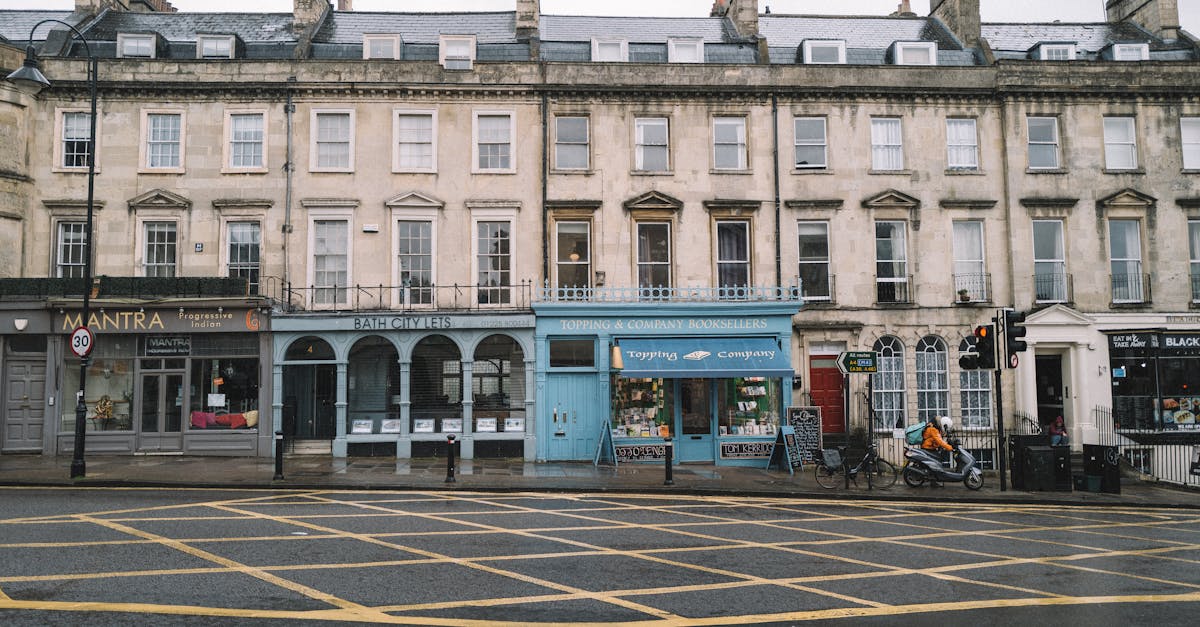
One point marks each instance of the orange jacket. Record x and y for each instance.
(933, 439)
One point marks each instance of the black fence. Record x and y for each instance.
(1169, 455)
(124, 287)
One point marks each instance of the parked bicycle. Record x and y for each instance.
(832, 467)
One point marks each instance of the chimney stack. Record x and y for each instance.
(307, 13)
(903, 10)
(1160, 17)
(528, 14)
(743, 14)
(961, 17)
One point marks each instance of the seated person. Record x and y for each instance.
(1058, 432)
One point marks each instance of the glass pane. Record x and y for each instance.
(573, 130)
(150, 402)
(810, 130)
(1043, 130)
(1047, 240)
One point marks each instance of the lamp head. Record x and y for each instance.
(28, 77)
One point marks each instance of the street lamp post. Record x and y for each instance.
(30, 78)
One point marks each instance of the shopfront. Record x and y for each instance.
(1155, 380)
(178, 380)
(399, 384)
(715, 377)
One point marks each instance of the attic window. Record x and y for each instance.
(831, 51)
(610, 50)
(214, 47)
(135, 46)
(1131, 52)
(685, 51)
(457, 52)
(915, 53)
(1056, 52)
(381, 47)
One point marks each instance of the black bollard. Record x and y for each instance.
(670, 480)
(278, 456)
(450, 458)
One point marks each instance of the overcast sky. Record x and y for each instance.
(993, 10)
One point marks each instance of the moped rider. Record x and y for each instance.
(932, 440)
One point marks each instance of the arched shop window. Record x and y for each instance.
(975, 396)
(887, 385)
(933, 381)
(373, 382)
(435, 385)
(498, 385)
(309, 349)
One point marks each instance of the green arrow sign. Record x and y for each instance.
(851, 362)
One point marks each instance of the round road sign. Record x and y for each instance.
(81, 341)
(1012, 360)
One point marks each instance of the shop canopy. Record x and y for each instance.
(704, 357)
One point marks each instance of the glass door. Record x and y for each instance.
(161, 404)
(695, 441)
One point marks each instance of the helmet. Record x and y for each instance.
(945, 423)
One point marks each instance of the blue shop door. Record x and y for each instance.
(574, 399)
(696, 416)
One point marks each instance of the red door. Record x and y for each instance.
(825, 383)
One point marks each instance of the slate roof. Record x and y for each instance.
(1087, 37)
(348, 27)
(15, 25)
(250, 27)
(787, 31)
(635, 29)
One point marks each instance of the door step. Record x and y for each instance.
(311, 447)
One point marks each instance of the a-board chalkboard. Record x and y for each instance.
(606, 453)
(807, 423)
(786, 452)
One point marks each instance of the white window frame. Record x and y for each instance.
(900, 260)
(900, 49)
(970, 274)
(1194, 258)
(837, 44)
(932, 366)
(124, 40)
(314, 141)
(1133, 292)
(677, 45)
(975, 399)
(227, 223)
(144, 145)
(143, 244)
(495, 215)
(889, 383)
(884, 150)
(745, 264)
(826, 263)
(430, 216)
(962, 149)
(432, 114)
(639, 263)
(1131, 52)
(598, 42)
(797, 143)
(639, 123)
(60, 115)
(444, 41)
(741, 143)
(1116, 148)
(587, 142)
(1189, 142)
(78, 249)
(1030, 143)
(512, 141)
(227, 145)
(1059, 263)
(561, 260)
(393, 39)
(1046, 50)
(329, 214)
(227, 39)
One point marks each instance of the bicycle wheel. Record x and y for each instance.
(828, 477)
(883, 474)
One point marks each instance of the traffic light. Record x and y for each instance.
(968, 354)
(985, 343)
(1013, 332)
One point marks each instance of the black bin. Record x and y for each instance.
(1039, 468)
(1016, 456)
(1104, 462)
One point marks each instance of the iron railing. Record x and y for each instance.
(821, 289)
(125, 287)
(398, 297)
(667, 294)
(1054, 287)
(894, 291)
(973, 288)
(1196, 288)
(1130, 288)
(1169, 455)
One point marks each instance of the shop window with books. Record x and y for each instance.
(644, 408)
(748, 406)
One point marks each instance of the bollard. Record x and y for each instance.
(450, 458)
(278, 456)
(670, 480)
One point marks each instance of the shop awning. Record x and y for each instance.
(704, 357)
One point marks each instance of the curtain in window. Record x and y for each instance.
(886, 153)
(733, 254)
(887, 384)
(933, 384)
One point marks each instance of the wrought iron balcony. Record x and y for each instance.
(893, 290)
(818, 288)
(141, 288)
(1196, 288)
(667, 294)
(453, 297)
(1128, 289)
(1054, 287)
(973, 288)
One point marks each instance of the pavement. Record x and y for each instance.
(309, 472)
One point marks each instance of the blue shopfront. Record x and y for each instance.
(714, 376)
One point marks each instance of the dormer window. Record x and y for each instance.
(685, 51)
(830, 51)
(914, 53)
(457, 52)
(610, 50)
(214, 47)
(135, 46)
(1131, 52)
(381, 47)
(1056, 52)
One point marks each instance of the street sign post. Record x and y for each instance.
(82, 340)
(856, 362)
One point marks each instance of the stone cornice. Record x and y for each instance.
(959, 203)
(815, 203)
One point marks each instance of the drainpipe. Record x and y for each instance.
(545, 194)
(775, 163)
(289, 110)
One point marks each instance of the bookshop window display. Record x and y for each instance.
(745, 406)
(643, 408)
(110, 379)
(748, 406)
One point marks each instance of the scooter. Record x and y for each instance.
(920, 466)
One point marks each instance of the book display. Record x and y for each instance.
(748, 406)
(642, 408)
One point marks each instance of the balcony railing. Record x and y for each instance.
(667, 294)
(1196, 288)
(973, 288)
(819, 289)
(893, 291)
(1055, 287)
(1130, 289)
(142, 288)
(398, 297)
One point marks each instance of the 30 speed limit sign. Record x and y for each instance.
(81, 341)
